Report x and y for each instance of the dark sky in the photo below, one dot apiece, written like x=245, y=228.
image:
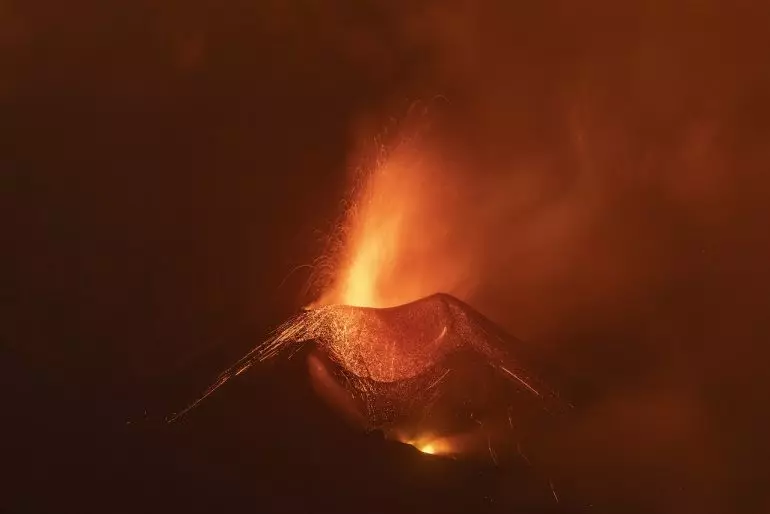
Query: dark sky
x=166, y=165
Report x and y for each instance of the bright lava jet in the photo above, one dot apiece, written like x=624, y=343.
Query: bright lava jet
x=425, y=369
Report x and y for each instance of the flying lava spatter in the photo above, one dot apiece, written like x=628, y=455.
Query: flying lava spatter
x=392, y=349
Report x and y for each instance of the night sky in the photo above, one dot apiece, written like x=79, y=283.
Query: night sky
x=166, y=167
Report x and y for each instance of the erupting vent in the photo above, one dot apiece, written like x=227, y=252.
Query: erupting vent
x=422, y=372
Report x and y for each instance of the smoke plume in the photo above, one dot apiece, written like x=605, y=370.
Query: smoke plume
x=598, y=190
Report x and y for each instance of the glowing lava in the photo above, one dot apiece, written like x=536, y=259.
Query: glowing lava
x=432, y=446
x=428, y=448
x=434, y=366
x=377, y=233
x=394, y=243
x=390, y=353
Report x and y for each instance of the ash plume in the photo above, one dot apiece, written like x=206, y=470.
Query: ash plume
x=601, y=190
x=610, y=160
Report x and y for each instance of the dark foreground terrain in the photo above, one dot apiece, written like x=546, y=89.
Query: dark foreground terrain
x=263, y=443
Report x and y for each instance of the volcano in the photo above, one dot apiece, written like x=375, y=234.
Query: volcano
x=434, y=373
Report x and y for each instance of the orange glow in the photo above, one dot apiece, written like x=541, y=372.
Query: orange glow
x=377, y=231
x=428, y=448
x=466, y=443
x=388, y=318
x=395, y=243
x=432, y=446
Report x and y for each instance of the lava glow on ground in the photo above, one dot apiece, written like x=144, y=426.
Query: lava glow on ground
x=427, y=448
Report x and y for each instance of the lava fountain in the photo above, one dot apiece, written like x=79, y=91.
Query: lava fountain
x=396, y=242
x=393, y=351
